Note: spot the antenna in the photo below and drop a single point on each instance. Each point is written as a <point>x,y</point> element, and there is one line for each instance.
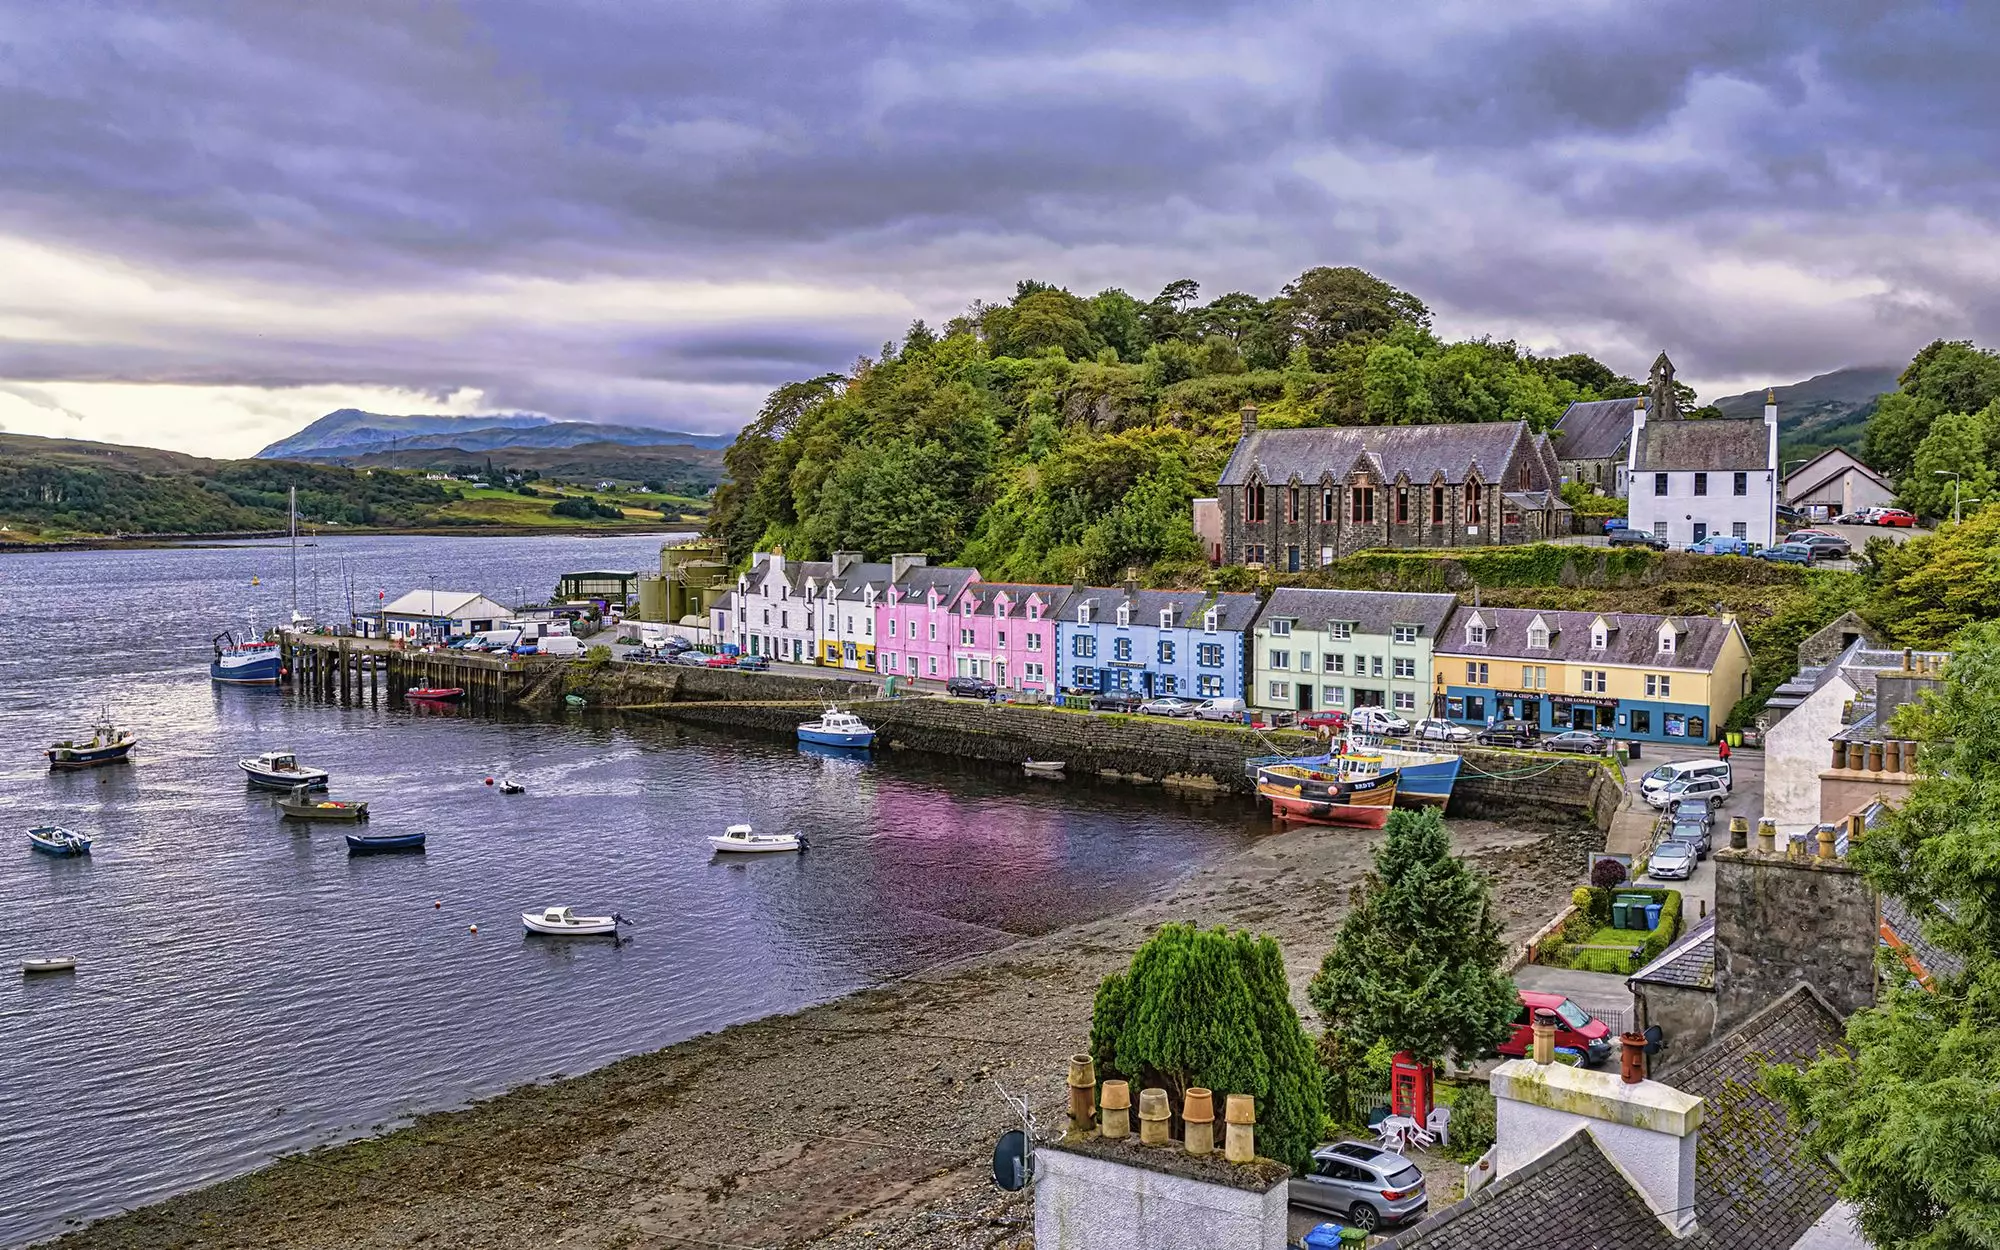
<point>295,553</point>
<point>1014,1154</point>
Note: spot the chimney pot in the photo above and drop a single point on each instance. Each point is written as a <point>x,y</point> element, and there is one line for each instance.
<point>1545,1036</point>
<point>1117,1104</point>
<point>1239,1140</point>
<point>1198,1120</point>
<point>1839,753</point>
<point>1739,833</point>
<point>1082,1093</point>
<point>1767,836</point>
<point>1155,1117</point>
<point>1632,1058</point>
<point>1826,841</point>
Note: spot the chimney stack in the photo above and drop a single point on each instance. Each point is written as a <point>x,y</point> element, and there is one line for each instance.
<point>1239,1139</point>
<point>1632,1058</point>
<point>1249,418</point>
<point>1131,585</point>
<point>843,561</point>
<point>1198,1120</point>
<point>1117,1104</point>
<point>903,561</point>
<point>1545,1036</point>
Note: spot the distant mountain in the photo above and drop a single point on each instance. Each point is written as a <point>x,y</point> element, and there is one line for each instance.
<point>351,433</point>
<point>686,470</point>
<point>1830,410</point>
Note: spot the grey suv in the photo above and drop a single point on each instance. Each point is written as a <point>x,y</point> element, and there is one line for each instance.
<point>1367,1186</point>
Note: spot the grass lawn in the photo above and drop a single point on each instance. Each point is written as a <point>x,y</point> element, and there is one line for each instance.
<point>1610,961</point>
<point>504,507</point>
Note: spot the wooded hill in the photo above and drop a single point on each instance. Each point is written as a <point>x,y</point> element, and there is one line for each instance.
<point>1056,435</point>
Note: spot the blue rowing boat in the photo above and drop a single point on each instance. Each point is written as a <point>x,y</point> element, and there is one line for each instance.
<point>373,843</point>
<point>56,840</point>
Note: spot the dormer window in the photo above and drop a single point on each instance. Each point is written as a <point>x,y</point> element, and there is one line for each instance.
<point>1208,621</point>
<point>1083,614</point>
<point>1600,637</point>
<point>1339,631</point>
<point>1166,618</point>
<point>1538,635</point>
<point>1475,634</point>
<point>1124,614</point>
<point>1034,610</point>
<point>1666,640</point>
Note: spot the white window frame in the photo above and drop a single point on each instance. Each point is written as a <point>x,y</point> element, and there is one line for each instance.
<point>1405,700</point>
<point>1278,659</point>
<point>1406,669</point>
<point>1124,614</point>
<point>1208,621</point>
<point>1166,618</point>
<point>1333,696</point>
<point>1475,635</point>
<point>1538,639</point>
<point>1280,691</point>
<point>1281,628</point>
<point>1405,634</point>
<point>1600,638</point>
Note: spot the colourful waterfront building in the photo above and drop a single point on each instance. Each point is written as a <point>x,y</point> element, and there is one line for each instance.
<point>1624,675</point>
<point>1318,649</point>
<point>1155,642</point>
<point>1005,633</point>
<point>914,634</point>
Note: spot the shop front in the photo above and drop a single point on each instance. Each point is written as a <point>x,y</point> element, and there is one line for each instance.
<point>1613,718</point>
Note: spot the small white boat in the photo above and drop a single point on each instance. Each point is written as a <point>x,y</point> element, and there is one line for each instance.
<point>1044,768</point>
<point>281,770</point>
<point>37,967</point>
<point>740,839</point>
<point>511,786</point>
<point>836,728</point>
<point>563,922</point>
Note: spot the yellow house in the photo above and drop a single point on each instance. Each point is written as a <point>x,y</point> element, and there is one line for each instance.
<point>1624,675</point>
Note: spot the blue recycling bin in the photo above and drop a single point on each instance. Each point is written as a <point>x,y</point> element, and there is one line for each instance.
<point>1653,915</point>
<point>1323,1237</point>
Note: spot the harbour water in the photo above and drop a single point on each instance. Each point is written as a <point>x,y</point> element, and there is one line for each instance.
<point>246,989</point>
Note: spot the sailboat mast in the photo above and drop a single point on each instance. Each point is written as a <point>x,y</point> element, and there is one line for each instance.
<point>295,553</point>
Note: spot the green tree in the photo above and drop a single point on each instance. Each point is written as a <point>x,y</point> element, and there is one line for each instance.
<point>1325,307</point>
<point>1417,963</point>
<point>1965,444</point>
<point>1117,321</point>
<point>1929,588</point>
<point>1212,1008</point>
<point>1944,377</point>
<point>1908,1111</point>
<point>1041,319</point>
<point>1395,387</point>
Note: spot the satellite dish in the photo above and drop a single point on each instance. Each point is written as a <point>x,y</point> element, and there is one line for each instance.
<point>1655,1038</point>
<point>1010,1165</point>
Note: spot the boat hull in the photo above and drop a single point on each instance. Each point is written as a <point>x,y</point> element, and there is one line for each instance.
<point>591,926</point>
<point>245,670</point>
<point>284,781</point>
<point>830,738</point>
<point>451,694</point>
<point>44,967</point>
<point>61,850</point>
<point>1366,804</point>
<point>68,758</point>
<point>313,811</point>
<point>365,844</point>
<point>744,847</point>
<point>1424,778</point>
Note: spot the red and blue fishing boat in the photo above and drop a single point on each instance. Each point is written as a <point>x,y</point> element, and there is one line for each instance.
<point>243,663</point>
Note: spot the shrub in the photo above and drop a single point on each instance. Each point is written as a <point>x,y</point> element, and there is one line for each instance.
<point>1606,873</point>
<point>1582,899</point>
<point>1667,930</point>
<point>1474,1122</point>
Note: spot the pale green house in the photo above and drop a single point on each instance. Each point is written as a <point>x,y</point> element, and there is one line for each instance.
<point>1317,649</point>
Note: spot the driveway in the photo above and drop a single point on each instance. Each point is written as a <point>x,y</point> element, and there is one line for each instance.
<point>1637,820</point>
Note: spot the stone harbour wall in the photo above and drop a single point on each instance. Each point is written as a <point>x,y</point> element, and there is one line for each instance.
<point>624,685</point>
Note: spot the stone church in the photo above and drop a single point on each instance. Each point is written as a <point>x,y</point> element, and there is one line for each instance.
<point>1297,499</point>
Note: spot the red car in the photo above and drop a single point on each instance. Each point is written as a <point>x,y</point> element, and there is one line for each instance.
<point>1892,516</point>
<point>721,661</point>
<point>1575,1028</point>
<point>1335,721</point>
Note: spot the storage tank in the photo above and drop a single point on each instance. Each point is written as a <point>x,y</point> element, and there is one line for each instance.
<point>653,599</point>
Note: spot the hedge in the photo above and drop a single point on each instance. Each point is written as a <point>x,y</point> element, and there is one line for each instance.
<point>1560,949</point>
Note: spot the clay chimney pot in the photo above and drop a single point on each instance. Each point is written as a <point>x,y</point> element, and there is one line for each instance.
<point>1632,1058</point>
<point>1239,1142</point>
<point>1544,1027</point>
<point>1155,1117</point>
<point>1082,1092</point>
<point>1116,1101</point>
<point>1198,1120</point>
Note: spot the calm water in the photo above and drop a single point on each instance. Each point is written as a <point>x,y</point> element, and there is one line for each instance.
<point>246,989</point>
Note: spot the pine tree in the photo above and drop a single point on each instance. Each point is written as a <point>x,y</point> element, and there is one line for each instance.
<point>1418,960</point>
<point>1212,1008</point>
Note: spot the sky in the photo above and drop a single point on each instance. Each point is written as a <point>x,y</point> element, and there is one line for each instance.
<point>220,219</point>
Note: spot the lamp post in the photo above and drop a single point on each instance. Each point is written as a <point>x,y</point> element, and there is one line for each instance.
<point>1955,483</point>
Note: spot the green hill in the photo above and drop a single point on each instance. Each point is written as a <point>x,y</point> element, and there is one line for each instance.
<point>1830,410</point>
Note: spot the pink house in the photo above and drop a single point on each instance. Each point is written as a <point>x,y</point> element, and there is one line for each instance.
<point>1006,633</point>
<point>915,635</point>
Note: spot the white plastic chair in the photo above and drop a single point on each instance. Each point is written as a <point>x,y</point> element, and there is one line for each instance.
<point>1389,1132</point>
<point>1438,1123</point>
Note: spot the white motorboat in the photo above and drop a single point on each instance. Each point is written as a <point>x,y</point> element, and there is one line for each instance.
<point>564,922</point>
<point>281,770</point>
<point>740,839</point>
<point>1044,768</point>
<point>836,728</point>
<point>36,967</point>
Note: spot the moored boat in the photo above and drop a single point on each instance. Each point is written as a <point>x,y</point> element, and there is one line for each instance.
<point>1043,768</point>
<point>244,663</point>
<point>299,805</point>
<point>1423,778</point>
<point>56,840</point>
<point>281,770</point>
<point>372,843</point>
<point>740,839</point>
<point>108,745</point>
<point>435,694</point>
<point>564,922</point>
<point>42,967</point>
<point>836,728</point>
<point>1350,790</point>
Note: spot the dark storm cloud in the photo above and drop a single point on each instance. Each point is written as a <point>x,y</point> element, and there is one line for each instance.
<point>1580,171</point>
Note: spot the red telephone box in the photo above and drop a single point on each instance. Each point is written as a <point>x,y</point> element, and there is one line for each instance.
<point>1409,1087</point>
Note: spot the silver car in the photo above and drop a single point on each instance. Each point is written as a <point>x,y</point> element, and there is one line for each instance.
<point>1671,861</point>
<point>1442,731</point>
<point>1168,706</point>
<point>1368,1187</point>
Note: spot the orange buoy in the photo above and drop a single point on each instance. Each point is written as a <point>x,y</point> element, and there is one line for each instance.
<point>473,927</point>
<point>489,781</point>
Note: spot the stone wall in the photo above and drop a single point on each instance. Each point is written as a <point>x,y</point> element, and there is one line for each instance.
<point>1494,783</point>
<point>1685,1014</point>
<point>1779,921</point>
<point>624,685</point>
<point>1084,1202</point>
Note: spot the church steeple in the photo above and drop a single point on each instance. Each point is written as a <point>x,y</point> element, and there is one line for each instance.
<point>1665,405</point>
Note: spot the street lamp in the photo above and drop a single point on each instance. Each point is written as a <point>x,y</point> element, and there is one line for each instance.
<point>1955,482</point>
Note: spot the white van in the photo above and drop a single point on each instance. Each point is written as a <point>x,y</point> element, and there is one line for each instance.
<point>1220,709</point>
<point>559,644</point>
<point>1665,775</point>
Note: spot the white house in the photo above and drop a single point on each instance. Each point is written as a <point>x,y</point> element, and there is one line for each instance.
<point>1688,479</point>
<point>434,615</point>
<point>1833,483</point>
<point>772,612</point>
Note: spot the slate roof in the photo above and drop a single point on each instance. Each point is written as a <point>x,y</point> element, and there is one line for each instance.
<point>1634,638</point>
<point>1370,612</point>
<point>1234,611</point>
<point>918,582</point>
<point>1899,920</point>
<point>1414,451</point>
<point>987,594</point>
<point>1715,444</point>
<point>1595,430</point>
<point>1689,961</point>
<point>1757,1186</point>
<point>1825,467</point>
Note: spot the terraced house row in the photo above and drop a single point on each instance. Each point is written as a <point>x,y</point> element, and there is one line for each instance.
<point>1654,678</point>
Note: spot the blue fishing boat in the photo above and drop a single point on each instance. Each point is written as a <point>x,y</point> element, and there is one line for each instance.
<point>372,843</point>
<point>109,745</point>
<point>1424,778</point>
<point>56,840</point>
<point>243,663</point>
<point>836,728</point>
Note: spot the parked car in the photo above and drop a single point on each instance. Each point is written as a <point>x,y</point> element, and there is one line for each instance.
<point>1579,740</point>
<point>1681,770</point>
<point>1511,733</point>
<point>1575,1028</point>
<point>1694,833</point>
<point>1686,788</point>
<point>1366,1186</point>
<point>1168,705</point>
<point>1220,709</point>
<point>1789,515</point>
<point>1824,546</point>
<point>1629,537</point>
<point>720,661</point>
<point>1892,516</point>
<point>1614,523</point>
<point>1442,731</point>
<point>1721,545</point>
<point>1376,720</point>
<point>1785,553</point>
<point>971,688</point>
<point>1116,701</point>
<point>1671,861</point>
<point>753,663</point>
<point>1853,518</point>
<point>1333,719</point>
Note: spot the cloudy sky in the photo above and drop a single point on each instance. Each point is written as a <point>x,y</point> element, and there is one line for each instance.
<point>221,219</point>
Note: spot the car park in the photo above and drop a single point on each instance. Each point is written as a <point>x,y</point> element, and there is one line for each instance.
<point>1785,553</point>
<point>1695,812</point>
<point>1581,741</point>
<point>1365,1185</point>
<point>1220,709</point>
<point>1511,733</point>
<point>753,663</point>
<point>970,688</point>
<point>1116,701</point>
<point>1333,719</point>
<point>1575,1028</point>
<point>1375,720</point>
<point>1687,788</point>
<point>1441,731</point>
<point>1671,861</point>
<point>1681,770</point>
<point>1168,706</point>
<point>1892,516</point>
<point>1629,537</point>
<point>1721,545</point>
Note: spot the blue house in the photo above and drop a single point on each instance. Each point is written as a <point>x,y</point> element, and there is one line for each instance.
<point>1154,642</point>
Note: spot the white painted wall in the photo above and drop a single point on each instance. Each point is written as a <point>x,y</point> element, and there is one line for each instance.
<point>1087,1203</point>
<point>1796,750</point>
<point>1720,509</point>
